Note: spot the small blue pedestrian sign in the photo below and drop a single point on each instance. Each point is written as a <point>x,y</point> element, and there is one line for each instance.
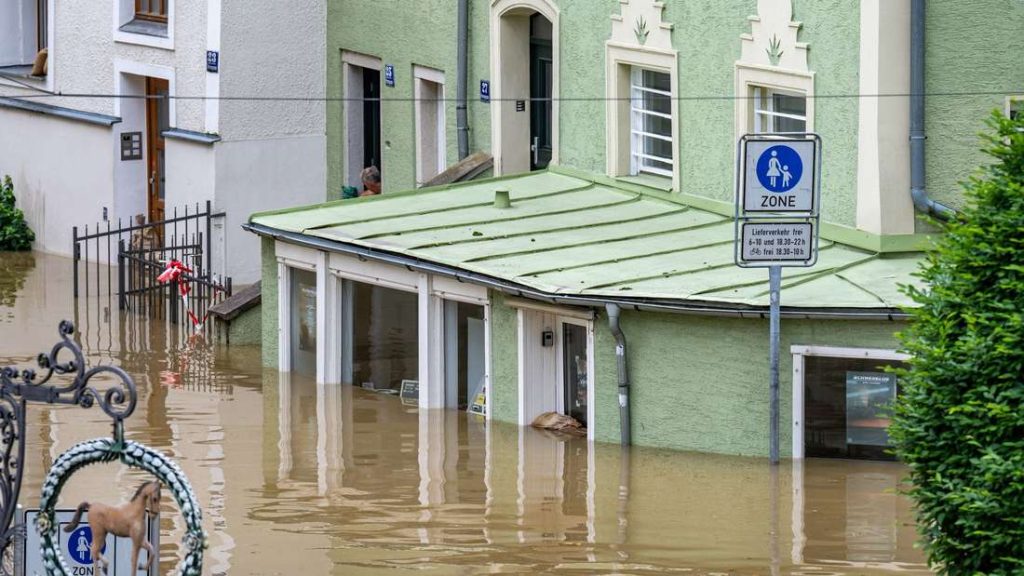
<point>485,90</point>
<point>779,176</point>
<point>80,546</point>
<point>389,75</point>
<point>779,169</point>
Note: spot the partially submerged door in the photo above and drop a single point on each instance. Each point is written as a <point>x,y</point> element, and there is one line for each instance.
<point>541,67</point>
<point>157,120</point>
<point>574,370</point>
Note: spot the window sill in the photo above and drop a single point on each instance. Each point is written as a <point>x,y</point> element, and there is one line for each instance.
<point>145,28</point>
<point>662,183</point>
<point>21,73</point>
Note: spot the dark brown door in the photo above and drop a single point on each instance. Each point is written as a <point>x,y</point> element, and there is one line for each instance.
<point>157,120</point>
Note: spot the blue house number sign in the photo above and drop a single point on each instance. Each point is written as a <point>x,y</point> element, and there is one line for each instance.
<point>212,61</point>
<point>485,90</point>
<point>389,75</point>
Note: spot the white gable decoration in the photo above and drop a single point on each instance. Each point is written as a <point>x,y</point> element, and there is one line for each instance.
<point>773,37</point>
<point>640,23</point>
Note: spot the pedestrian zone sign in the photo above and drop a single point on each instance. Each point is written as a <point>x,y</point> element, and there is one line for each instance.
<point>76,547</point>
<point>778,197</point>
<point>780,176</point>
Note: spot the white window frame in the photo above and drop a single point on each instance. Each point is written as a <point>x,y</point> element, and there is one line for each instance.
<point>763,109</point>
<point>621,60</point>
<point>1016,101</point>
<point>638,158</point>
<point>124,12</point>
<point>751,77</point>
<point>798,384</point>
<point>423,74</point>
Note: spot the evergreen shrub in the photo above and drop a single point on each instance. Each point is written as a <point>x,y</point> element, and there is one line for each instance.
<point>14,231</point>
<point>959,422</point>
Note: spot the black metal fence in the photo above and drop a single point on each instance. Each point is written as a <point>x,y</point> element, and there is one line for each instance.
<point>128,259</point>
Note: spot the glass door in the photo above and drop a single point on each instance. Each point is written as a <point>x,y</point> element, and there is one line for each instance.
<point>574,370</point>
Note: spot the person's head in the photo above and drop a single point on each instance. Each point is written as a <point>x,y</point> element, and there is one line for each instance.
<point>371,179</point>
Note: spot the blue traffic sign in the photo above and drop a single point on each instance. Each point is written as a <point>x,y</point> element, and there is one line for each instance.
<point>80,546</point>
<point>779,169</point>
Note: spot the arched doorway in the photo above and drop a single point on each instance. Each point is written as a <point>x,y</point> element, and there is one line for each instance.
<point>524,65</point>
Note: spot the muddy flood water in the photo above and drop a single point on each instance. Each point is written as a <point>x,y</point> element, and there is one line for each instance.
<point>296,478</point>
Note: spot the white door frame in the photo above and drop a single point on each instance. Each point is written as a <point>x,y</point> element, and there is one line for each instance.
<point>799,354</point>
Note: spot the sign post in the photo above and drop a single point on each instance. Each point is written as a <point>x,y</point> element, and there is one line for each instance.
<point>778,200</point>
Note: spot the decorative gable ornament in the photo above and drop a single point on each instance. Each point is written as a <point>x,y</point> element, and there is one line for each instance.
<point>640,23</point>
<point>772,40</point>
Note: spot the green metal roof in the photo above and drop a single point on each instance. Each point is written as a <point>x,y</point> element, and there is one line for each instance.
<point>572,236</point>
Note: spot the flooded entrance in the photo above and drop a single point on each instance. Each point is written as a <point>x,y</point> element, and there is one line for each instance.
<point>296,478</point>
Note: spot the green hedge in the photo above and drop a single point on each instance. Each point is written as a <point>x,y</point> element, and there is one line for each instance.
<point>14,231</point>
<point>959,424</point>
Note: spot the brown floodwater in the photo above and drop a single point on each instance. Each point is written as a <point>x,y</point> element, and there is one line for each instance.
<point>296,478</point>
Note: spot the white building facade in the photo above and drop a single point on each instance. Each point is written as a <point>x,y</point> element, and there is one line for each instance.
<point>147,106</point>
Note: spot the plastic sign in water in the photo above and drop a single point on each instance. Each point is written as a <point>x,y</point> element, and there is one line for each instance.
<point>779,176</point>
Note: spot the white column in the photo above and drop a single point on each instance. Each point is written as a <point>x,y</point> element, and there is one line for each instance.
<point>284,318</point>
<point>884,205</point>
<point>328,323</point>
<point>431,337</point>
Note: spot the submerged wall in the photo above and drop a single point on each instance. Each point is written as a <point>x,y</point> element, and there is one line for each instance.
<point>698,383</point>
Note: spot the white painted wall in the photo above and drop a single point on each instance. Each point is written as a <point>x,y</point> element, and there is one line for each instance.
<point>193,166</point>
<point>273,48</point>
<point>130,183</point>
<point>62,173</point>
<point>255,175</point>
<point>17,32</point>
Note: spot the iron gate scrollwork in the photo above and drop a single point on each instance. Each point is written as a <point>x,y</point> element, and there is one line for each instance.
<point>18,388</point>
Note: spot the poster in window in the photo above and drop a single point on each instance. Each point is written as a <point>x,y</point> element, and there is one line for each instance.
<point>869,399</point>
<point>307,317</point>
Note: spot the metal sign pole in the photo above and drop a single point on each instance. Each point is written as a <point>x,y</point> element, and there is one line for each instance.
<point>775,285</point>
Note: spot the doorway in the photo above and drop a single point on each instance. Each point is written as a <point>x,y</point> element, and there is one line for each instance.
<point>555,364</point>
<point>541,75</point>
<point>362,130</point>
<point>525,67</point>
<point>574,371</point>
<point>157,121</point>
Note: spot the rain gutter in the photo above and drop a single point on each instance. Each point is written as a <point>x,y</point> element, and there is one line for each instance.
<point>639,305</point>
<point>918,192</point>
<point>462,82</point>
<point>625,428</point>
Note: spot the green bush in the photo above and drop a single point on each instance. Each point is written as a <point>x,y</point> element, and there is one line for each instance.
<point>959,423</point>
<point>14,231</point>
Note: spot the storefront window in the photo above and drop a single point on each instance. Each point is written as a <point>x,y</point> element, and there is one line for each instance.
<point>384,337</point>
<point>464,356</point>
<point>848,405</point>
<point>303,321</point>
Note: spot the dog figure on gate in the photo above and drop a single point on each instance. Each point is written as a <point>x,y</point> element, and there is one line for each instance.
<point>124,521</point>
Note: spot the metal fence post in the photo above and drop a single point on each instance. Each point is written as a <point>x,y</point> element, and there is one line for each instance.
<point>121,297</point>
<point>74,259</point>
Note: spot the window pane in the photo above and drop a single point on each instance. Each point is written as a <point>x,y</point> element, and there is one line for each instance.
<point>385,337</point>
<point>657,80</point>
<point>655,126</point>
<point>790,125</point>
<point>787,104</point>
<point>303,321</point>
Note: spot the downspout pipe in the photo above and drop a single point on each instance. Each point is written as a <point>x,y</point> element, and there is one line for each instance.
<point>620,359</point>
<point>918,192</point>
<point>462,88</point>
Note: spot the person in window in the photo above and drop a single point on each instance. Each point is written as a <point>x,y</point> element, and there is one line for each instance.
<point>371,181</point>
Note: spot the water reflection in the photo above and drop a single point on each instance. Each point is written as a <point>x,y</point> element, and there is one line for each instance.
<point>296,477</point>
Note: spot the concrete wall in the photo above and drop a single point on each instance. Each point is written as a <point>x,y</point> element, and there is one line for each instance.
<point>266,174</point>
<point>403,38</point>
<point>62,172</point>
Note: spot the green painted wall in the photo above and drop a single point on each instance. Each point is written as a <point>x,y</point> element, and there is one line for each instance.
<point>974,46</point>
<point>403,37</point>
<point>268,306</point>
<point>697,383</point>
<point>504,360</point>
<point>247,328</point>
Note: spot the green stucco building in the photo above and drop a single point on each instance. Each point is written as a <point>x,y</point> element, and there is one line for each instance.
<point>613,127</point>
